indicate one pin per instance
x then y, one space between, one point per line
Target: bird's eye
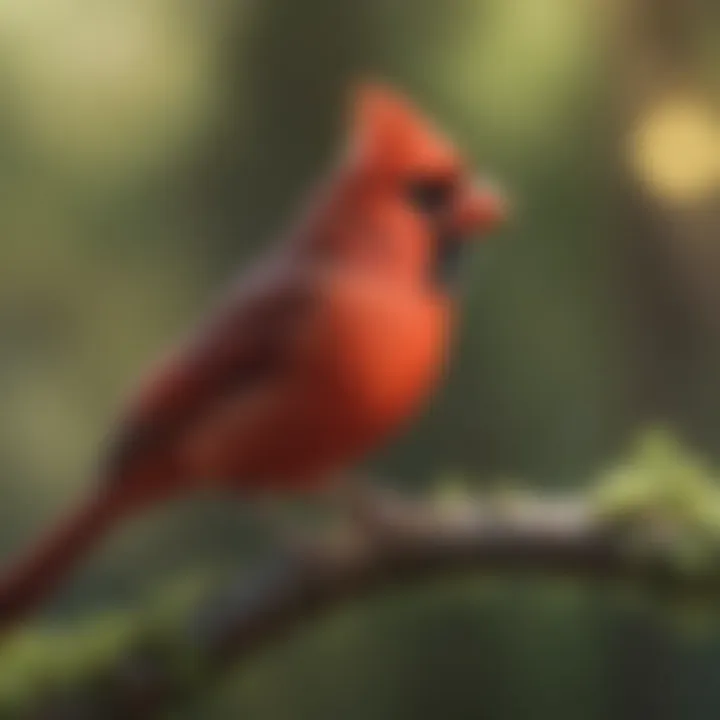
430 195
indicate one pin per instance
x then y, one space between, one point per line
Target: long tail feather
35 575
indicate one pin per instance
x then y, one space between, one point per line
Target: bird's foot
350 513
377 513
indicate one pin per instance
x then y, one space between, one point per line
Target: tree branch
404 541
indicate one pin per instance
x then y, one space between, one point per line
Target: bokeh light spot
675 151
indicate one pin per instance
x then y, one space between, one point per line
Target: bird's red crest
388 133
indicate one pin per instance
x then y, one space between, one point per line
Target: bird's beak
480 207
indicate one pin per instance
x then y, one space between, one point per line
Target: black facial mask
448 260
433 197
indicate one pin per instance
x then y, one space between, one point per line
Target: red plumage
313 359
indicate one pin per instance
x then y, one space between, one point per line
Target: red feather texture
316 357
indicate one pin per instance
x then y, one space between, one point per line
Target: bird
319 353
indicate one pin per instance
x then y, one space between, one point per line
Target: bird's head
415 183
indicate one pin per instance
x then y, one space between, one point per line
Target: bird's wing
248 340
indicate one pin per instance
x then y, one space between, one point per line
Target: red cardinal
313 359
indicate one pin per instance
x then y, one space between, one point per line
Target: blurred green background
148 148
